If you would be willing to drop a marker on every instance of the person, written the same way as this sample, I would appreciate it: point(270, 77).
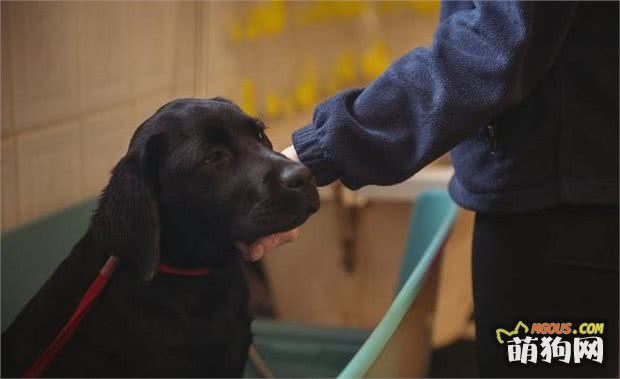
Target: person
point(525, 96)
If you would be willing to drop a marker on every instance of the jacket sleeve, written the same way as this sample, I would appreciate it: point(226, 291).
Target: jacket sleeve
point(482, 61)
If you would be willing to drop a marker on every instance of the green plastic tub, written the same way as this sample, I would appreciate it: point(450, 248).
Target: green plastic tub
point(304, 351)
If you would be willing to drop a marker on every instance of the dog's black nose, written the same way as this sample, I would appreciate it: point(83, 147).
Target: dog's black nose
point(296, 176)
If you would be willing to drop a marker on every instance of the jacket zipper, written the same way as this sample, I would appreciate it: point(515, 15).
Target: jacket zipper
point(492, 137)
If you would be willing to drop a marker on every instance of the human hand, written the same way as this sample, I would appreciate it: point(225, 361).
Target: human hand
point(262, 246)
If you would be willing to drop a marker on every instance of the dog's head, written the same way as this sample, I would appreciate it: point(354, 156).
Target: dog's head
point(200, 170)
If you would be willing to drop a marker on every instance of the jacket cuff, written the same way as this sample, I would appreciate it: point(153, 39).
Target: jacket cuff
point(310, 153)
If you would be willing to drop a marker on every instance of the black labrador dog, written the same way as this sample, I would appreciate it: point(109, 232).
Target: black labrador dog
point(198, 176)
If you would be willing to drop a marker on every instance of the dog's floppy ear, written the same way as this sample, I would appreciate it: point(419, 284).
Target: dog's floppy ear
point(127, 224)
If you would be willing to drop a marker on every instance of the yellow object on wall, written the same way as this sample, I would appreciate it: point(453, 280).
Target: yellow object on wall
point(307, 91)
point(248, 97)
point(262, 20)
point(375, 60)
point(320, 11)
point(345, 71)
point(273, 105)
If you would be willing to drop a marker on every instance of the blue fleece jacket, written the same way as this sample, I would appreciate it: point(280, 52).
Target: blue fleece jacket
point(525, 94)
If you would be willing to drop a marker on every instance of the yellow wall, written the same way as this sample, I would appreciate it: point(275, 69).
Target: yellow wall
point(79, 77)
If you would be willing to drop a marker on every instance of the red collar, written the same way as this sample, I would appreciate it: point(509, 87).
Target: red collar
point(164, 268)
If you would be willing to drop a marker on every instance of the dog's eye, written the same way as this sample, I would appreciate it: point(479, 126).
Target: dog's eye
point(215, 156)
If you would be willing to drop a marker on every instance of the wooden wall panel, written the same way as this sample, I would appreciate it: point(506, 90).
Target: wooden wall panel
point(44, 51)
point(10, 194)
point(455, 302)
point(145, 106)
point(380, 247)
point(408, 29)
point(163, 47)
point(153, 35)
point(6, 106)
point(224, 68)
point(179, 92)
point(201, 59)
point(300, 294)
point(339, 297)
point(407, 353)
point(104, 140)
point(105, 78)
point(85, 75)
point(184, 50)
point(49, 165)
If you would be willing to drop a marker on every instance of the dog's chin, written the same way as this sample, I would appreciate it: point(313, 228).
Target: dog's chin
point(268, 217)
point(275, 224)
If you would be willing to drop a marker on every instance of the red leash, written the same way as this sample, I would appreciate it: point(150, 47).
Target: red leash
point(67, 331)
point(91, 294)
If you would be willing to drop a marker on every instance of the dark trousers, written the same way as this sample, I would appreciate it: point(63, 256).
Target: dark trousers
point(556, 265)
